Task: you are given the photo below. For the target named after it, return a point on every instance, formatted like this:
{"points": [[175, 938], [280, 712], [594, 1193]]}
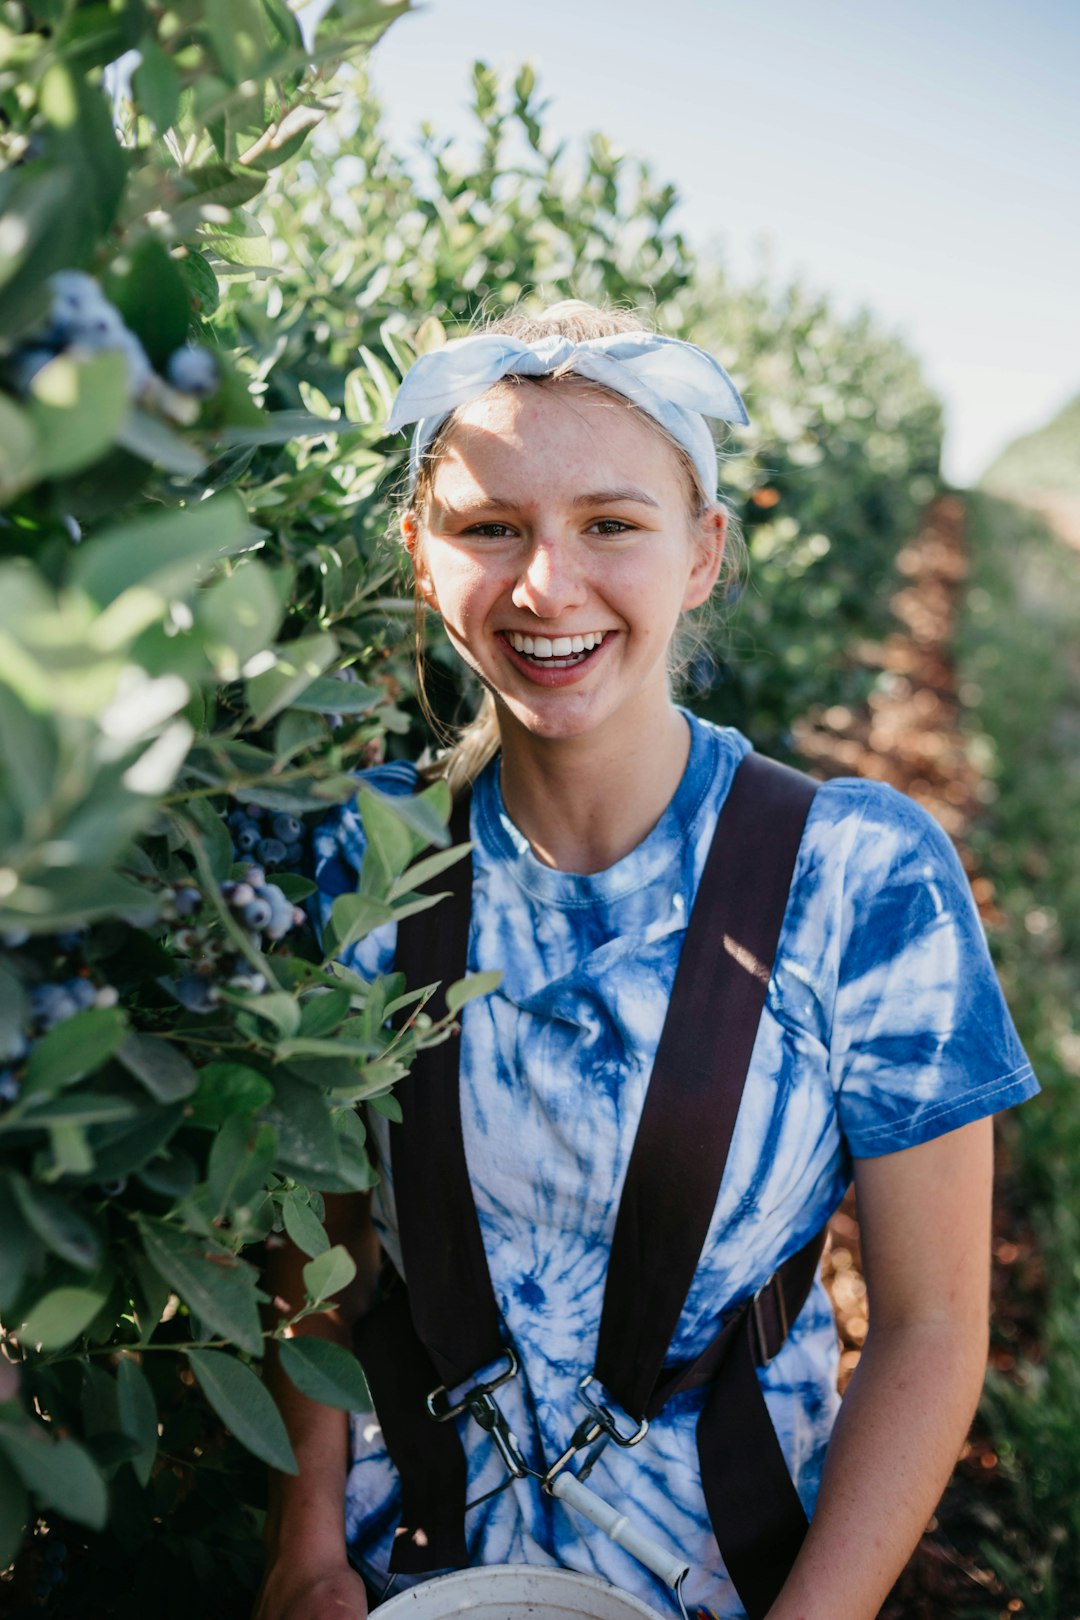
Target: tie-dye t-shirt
{"points": [[883, 1027]]}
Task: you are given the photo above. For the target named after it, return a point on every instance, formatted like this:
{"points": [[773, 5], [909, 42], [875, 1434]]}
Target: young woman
{"points": [[562, 521]]}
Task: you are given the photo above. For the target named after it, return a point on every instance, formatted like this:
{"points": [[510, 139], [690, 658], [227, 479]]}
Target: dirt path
{"points": [[910, 735]]}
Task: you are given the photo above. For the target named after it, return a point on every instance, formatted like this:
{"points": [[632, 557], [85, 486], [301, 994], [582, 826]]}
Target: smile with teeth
{"points": [[556, 652]]}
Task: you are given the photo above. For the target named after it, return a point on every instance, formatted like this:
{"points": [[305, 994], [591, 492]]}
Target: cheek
{"points": [[462, 587]]}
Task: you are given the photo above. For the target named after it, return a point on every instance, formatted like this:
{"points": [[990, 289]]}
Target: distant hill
{"points": [[1042, 470]]}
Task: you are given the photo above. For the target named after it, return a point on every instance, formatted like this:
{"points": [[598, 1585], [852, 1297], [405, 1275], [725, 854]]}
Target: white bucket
{"points": [[510, 1591]]}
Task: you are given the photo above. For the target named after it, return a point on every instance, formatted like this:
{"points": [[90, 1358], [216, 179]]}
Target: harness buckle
{"points": [[438, 1402], [757, 1319], [600, 1426], [477, 1401]]}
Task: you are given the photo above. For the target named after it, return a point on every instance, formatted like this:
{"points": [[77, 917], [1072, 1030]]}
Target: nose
{"points": [[550, 580]]}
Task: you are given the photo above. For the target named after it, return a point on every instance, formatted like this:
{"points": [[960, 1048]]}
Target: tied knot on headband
{"points": [[675, 383]]}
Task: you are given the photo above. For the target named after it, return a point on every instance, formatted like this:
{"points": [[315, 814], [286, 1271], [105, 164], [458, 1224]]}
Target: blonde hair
{"points": [[477, 742]]}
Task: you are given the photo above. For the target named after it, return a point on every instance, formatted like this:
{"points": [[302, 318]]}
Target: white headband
{"points": [[676, 383]]}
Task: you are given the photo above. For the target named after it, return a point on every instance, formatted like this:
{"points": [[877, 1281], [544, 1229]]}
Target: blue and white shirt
{"points": [[884, 1027]]}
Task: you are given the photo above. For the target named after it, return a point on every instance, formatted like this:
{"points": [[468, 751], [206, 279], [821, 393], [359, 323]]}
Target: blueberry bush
{"points": [[213, 271]]}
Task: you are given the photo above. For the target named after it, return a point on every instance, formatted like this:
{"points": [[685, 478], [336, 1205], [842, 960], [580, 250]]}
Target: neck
{"points": [[585, 802]]}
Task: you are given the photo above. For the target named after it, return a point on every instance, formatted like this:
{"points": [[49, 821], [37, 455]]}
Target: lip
{"points": [[569, 675]]}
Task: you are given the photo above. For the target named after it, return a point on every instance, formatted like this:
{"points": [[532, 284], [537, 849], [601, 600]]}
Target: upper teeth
{"points": [[557, 647]]}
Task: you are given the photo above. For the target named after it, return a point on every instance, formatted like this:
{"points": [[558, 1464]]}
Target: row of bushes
{"points": [[212, 274]]}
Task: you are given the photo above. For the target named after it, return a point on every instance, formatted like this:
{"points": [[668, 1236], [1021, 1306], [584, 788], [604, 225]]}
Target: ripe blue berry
{"points": [[288, 828], [258, 912], [194, 371], [271, 851]]}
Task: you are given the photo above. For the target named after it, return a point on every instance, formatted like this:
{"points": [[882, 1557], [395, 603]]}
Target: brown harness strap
{"points": [[672, 1183]]}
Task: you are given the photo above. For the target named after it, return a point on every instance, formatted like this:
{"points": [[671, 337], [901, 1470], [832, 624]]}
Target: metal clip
{"points": [[758, 1321], [491, 1420], [599, 1423], [478, 1403], [438, 1402]]}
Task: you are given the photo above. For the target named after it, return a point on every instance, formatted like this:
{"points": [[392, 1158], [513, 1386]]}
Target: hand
{"points": [[290, 1593]]}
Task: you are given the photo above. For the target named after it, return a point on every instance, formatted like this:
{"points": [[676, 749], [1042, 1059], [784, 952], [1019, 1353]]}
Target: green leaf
{"points": [[19, 462], [72, 1050], [307, 1143], [76, 407], [61, 1473], [241, 1158], [242, 1403], [296, 666], [165, 551], [477, 984], [155, 442], [14, 1512], [328, 696], [58, 1318], [325, 1372], [323, 1011], [58, 1224], [226, 1089], [14, 1013], [303, 1225], [165, 1072], [15, 1250], [156, 86], [329, 1273], [279, 1008], [214, 836], [239, 616], [415, 876], [123, 1148], [211, 1281], [241, 240], [152, 296], [137, 1411], [238, 32], [352, 917]]}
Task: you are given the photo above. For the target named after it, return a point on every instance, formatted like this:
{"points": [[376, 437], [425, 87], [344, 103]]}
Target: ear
{"points": [[410, 534], [709, 537]]}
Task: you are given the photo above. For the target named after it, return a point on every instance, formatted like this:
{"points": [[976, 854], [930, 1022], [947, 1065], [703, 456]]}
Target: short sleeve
{"points": [[339, 844], [922, 1041]]}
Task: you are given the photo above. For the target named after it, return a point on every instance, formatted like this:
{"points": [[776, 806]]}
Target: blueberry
{"points": [[247, 838], [195, 992], [14, 937], [76, 299], [255, 876], [294, 854], [9, 1085], [186, 902], [257, 913], [237, 819], [281, 912], [254, 812], [82, 992], [241, 894], [52, 1004], [113, 1189], [107, 996], [287, 828], [193, 371], [271, 851]]}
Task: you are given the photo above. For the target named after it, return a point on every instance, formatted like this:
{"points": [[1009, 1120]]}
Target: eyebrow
{"points": [[595, 497]]}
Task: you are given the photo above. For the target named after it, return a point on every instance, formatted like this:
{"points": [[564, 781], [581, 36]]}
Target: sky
{"points": [[919, 159]]}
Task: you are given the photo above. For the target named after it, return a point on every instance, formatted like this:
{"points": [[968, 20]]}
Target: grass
{"points": [[1018, 652]]}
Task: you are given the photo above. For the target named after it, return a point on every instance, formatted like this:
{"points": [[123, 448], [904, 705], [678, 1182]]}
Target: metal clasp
{"points": [[600, 1426], [477, 1401]]}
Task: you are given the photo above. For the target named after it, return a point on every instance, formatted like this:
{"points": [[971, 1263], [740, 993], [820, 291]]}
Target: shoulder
{"points": [[871, 833]]}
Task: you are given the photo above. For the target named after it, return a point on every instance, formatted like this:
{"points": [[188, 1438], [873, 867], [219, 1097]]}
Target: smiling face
{"points": [[558, 545]]}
